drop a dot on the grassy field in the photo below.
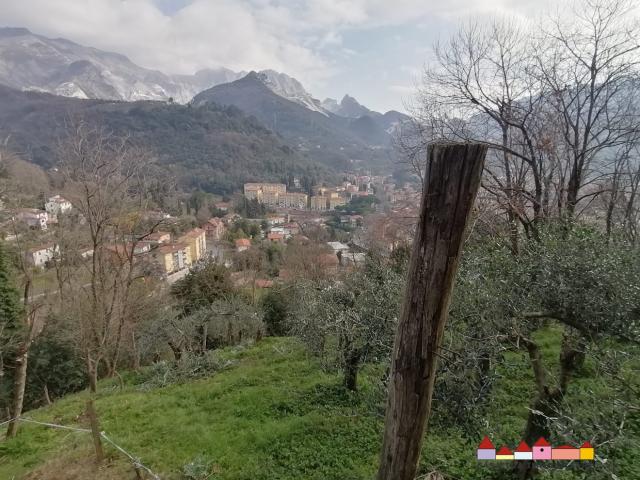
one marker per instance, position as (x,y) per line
(274,414)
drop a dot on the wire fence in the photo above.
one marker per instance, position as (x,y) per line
(135,461)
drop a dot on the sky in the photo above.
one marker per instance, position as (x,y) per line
(373,50)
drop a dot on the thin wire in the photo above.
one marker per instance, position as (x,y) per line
(136,462)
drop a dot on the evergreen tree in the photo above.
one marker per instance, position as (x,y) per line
(10,307)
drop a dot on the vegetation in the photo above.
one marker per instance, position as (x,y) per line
(274,413)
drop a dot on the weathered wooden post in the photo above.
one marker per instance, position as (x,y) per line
(451,182)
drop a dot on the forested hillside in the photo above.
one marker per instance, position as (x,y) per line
(209,147)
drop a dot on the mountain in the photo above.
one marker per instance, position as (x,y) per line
(211,147)
(348,107)
(323,136)
(291,89)
(33,62)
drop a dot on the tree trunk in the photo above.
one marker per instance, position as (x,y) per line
(351,366)
(95,431)
(19,385)
(451,183)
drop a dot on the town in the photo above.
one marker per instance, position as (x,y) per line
(337,223)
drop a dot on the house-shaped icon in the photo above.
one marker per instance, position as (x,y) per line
(523,452)
(504,454)
(541,450)
(565,452)
(486,450)
(587,452)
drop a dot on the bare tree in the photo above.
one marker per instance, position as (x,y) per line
(108,182)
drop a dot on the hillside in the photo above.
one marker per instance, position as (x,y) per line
(324,137)
(274,414)
(210,147)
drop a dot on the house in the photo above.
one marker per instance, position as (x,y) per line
(275,237)
(40,255)
(223,206)
(504,454)
(541,450)
(86,252)
(197,242)
(214,228)
(565,452)
(276,218)
(57,205)
(586,451)
(157,238)
(171,258)
(33,217)
(486,449)
(523,452)
(291,229)
(242,244)
(338,247)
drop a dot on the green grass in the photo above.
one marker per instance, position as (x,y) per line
(275,414)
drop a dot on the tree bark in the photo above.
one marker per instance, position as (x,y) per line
(95,431)
(451,183)
(19,386)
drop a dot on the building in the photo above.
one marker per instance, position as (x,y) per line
(197,242)
(504,453)
(275,195)
(275,237)
(338,247)
(587,452)
(523,452)
(291,229)
(541,450)
(319,203)
(215,228)
(33,217)
(565,452)
(39,256)
(56,205)
(336,202)
(486,450)
(243,244)
(171,258)
(158,238)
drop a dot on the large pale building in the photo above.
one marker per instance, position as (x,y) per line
(275,195)
(196,240)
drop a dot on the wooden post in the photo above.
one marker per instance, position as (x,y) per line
(451,182)
(95,430)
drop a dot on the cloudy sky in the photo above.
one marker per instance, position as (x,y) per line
(371,49)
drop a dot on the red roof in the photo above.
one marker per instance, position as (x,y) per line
(586,445)
(243,242)
(541,443)
(486,443)
(523,447)
(504,451)
(565,447)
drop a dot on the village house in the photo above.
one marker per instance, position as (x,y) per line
(243,244)
(338,247)
(215,228)
(57,205)
(33,217)
(223,206)
(171,258)
(197,242)
(39,256)
(158,238)
(275,237)
(290,229)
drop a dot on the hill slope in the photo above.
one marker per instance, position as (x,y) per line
(274,414)
(328,138)
(211,147)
